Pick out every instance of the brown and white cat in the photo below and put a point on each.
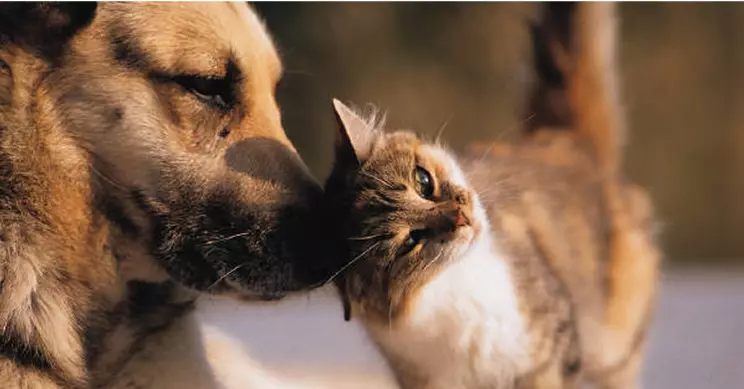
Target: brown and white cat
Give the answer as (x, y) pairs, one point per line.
(527, 265)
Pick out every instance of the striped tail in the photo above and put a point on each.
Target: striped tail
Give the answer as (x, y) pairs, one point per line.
(576, 88)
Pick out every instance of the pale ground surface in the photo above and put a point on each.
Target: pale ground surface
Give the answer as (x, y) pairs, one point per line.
(697, 340)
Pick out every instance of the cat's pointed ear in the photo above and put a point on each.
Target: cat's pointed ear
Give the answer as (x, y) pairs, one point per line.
(354, 135)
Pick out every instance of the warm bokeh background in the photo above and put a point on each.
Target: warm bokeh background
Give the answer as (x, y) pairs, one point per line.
(682, 68)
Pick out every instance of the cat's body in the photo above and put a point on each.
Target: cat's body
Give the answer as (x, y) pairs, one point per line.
(489, 310)
(522, 265)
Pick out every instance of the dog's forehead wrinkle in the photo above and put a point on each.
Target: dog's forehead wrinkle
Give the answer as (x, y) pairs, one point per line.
(207, 36)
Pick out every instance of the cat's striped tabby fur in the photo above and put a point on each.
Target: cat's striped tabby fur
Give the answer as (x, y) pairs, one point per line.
(529, 264)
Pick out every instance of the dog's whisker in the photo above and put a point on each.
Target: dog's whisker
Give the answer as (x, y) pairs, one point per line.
(225, 239)
(105, 178)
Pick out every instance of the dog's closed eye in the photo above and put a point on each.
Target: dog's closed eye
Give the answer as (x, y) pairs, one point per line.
(216, 91)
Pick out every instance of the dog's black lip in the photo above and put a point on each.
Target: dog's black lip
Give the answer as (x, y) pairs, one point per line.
(273, 296)
(236, 293)
(293, 248)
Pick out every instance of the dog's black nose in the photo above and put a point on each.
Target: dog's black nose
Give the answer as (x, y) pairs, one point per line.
(272, 161)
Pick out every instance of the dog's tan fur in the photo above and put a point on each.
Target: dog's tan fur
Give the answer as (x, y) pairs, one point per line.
(142, 158)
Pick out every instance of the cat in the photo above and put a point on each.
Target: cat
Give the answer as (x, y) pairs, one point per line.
(530, 264)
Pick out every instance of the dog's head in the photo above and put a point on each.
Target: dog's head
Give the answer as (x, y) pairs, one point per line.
(173, 105)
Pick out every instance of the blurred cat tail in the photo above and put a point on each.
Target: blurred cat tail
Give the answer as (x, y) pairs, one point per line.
(576, 86)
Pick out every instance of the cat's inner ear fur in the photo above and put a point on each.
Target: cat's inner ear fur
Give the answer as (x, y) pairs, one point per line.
(355, 136)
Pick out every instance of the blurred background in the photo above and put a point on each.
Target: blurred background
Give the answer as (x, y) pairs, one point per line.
(467, 66)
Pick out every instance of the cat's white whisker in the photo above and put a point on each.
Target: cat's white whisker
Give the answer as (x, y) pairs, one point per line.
(368, 237)
(348, 264)
(225, 239)
(501, 135)
(441, 130)
(487, 193)
(236, 268)
(378, 179)
(428, 265)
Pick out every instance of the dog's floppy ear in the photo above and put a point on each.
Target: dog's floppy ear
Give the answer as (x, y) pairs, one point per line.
(45, 26)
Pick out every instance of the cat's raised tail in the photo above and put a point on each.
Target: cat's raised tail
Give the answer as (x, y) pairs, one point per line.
(576, 89)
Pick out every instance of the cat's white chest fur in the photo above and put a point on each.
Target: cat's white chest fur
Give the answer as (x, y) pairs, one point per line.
(465, 330)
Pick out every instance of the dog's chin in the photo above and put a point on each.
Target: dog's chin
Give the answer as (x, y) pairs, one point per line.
(238, 291)
(232, 289)
(249, 296)
(250, 261)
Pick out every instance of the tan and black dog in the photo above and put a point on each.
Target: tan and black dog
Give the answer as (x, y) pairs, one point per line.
(142, 158)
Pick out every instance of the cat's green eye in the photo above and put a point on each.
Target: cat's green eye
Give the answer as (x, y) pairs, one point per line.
(424, 182)
(412, 240)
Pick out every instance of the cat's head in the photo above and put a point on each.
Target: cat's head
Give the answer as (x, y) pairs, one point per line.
(400, 210)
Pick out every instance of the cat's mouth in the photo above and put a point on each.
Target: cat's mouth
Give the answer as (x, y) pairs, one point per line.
(464, 239)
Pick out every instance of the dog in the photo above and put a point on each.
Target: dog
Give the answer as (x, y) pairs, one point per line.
(142, 163)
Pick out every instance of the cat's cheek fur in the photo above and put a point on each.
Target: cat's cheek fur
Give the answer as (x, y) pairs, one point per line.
(465, 328)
